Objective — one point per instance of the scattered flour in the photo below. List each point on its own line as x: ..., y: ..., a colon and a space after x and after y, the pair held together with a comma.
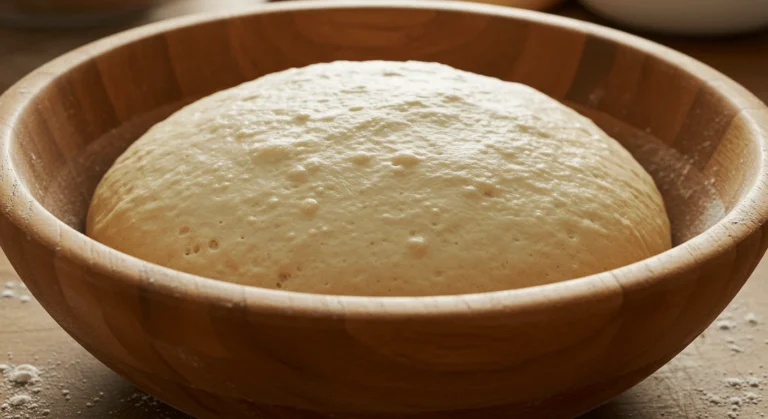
x: 754, y: 382
x: 30, y: 391
x: 24, y: 374
x: 15, y: 290
x: 19, y: 400
x: 740, y: 395
x: 753, y: 398
x: 713, y: 399
x: 21, y: 383
x: 737, y: 403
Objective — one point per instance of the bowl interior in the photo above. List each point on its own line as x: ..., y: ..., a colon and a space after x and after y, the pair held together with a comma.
x: 682, y: 129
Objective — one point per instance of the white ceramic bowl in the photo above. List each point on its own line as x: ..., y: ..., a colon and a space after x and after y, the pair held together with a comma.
x: 685, y: 17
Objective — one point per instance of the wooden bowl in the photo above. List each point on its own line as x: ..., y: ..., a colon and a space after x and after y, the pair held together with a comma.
x: 215, y: 349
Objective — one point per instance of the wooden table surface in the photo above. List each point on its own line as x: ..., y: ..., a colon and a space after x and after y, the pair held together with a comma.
x: 723, y: 374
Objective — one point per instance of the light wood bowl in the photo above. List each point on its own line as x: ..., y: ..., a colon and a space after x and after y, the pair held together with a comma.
x: 215, y: 349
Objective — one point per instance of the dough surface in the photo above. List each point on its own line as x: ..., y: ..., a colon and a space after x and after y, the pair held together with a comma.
x: 380, y: 178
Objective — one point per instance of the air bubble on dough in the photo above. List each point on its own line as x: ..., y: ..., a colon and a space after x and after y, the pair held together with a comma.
x: 298, y: 174
x: 360, y: 158
x: 309, y: 206
x: 418, y: 246
x: 405, y: 159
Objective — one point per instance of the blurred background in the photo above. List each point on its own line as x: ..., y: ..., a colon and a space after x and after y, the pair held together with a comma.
x: 693, y: 17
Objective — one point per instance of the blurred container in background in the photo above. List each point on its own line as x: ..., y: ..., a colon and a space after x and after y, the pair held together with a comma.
x: 68, y: 13
x: 685, y: 17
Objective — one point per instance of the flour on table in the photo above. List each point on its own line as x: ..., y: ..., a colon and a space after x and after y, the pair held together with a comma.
x: 19, y: 400
x: 725, y: 324
x: 15, y: 290
x: 24, y: 374
x: 33, y: 391
x: 738, y: 395
x: 20, y: 385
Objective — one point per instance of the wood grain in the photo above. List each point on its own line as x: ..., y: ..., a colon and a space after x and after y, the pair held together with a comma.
x: 216, y: 350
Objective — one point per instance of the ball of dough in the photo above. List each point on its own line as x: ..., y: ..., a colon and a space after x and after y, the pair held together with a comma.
x: 380, y: 178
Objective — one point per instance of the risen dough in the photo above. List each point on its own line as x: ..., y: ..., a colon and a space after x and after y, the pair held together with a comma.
x: 380, y: 178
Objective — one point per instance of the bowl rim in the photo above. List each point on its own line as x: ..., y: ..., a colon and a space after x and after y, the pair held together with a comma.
x: 27, y: 214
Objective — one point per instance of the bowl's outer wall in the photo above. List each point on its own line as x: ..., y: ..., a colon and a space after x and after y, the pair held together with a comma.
x: 219, y: 350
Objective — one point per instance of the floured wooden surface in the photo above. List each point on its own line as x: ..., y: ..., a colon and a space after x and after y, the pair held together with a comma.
x: 721, y: 375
